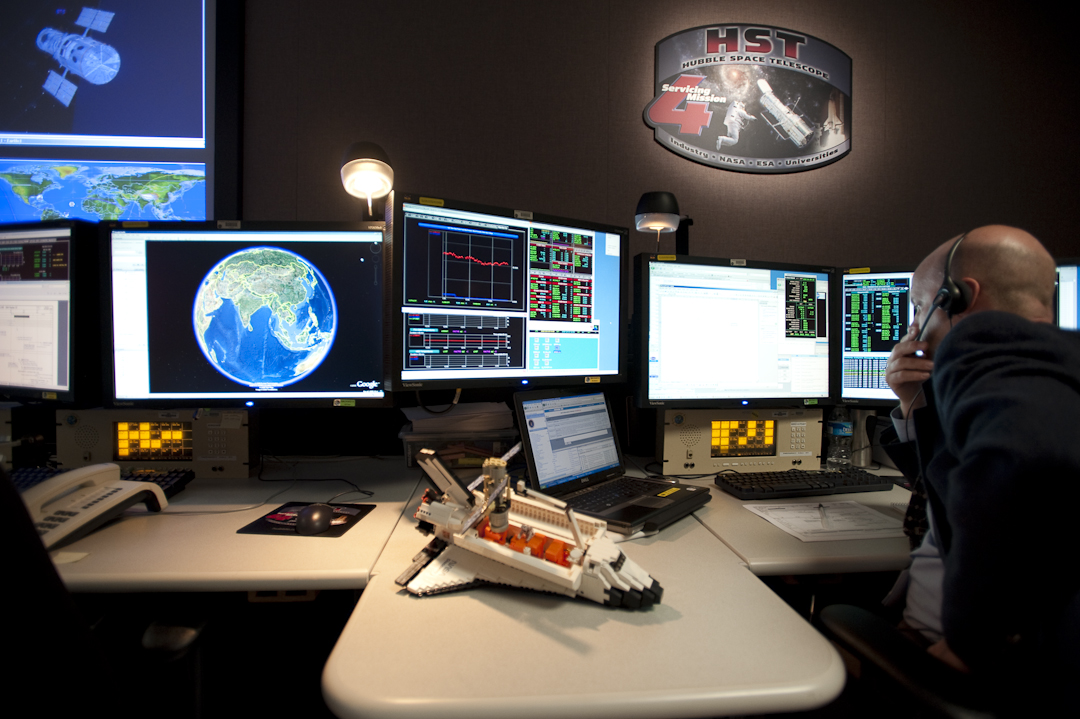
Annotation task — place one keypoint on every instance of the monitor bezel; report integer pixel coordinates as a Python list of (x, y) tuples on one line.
[(269, 400), (1061, 262), (837, 357), (84, 329), (641, 331), (396, 359)]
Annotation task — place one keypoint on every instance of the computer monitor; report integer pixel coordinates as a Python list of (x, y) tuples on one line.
[(49, 310), (731, 333), (247, 314), (120, 111), (1068, 297), (875, 312), (494, 297)]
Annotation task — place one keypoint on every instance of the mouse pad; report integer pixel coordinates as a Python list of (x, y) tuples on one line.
[(283, 519)]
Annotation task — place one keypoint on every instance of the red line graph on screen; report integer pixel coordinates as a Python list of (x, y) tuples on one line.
[(476, 260), (475, 267)]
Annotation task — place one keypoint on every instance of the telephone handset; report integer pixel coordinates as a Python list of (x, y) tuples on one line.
[(75, 503)]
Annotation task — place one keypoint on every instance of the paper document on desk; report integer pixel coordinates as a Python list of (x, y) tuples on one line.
[(828, 521)]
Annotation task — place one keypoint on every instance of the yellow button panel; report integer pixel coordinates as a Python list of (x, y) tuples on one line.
[(744, 438), (153, 441)]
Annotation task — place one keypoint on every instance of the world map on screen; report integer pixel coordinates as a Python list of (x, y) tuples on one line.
[(33, 190)]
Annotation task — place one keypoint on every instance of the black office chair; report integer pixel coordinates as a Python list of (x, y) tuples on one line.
[(926, 686), (55, 652)]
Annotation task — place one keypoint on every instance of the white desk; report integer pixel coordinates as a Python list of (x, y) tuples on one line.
[(768, 550), (172, 552), (719, 643)]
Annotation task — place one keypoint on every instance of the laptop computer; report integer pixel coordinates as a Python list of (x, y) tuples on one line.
[(573, 455)]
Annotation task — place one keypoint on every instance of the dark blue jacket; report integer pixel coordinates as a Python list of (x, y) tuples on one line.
[(1003, 480)]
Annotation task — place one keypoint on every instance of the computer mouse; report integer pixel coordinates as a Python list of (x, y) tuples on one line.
[(314, 519)]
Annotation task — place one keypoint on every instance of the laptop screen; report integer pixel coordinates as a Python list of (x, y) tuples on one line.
[(569, 437)]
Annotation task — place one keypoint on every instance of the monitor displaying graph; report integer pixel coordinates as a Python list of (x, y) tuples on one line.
[(496, 297)]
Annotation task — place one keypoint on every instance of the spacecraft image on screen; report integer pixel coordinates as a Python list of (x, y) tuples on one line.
[(122, 73), (80, 55)]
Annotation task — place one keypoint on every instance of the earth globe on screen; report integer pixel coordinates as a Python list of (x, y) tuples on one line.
[(265, 317)]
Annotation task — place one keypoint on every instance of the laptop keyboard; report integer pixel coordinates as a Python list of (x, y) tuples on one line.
[(616, 491)]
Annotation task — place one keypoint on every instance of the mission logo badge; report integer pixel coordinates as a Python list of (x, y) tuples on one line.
[(752, 98)]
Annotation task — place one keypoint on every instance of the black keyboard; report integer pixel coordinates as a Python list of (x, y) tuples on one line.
[(171, 481), (616, 491), (801, 483)]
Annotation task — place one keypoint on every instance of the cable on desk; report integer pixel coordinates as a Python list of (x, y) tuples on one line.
[(660, 475), (167, 513), (421, 405), (365, 492)]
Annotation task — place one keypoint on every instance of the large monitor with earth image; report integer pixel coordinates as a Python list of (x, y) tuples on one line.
[(247, 314)]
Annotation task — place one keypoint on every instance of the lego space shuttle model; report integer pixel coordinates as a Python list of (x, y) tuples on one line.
[(788, 125), (80, 55), (488, 533)]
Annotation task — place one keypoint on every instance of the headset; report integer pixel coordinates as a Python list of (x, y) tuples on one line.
[(953, 297)]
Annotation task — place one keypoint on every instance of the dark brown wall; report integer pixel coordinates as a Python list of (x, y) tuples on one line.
[(964, 113)]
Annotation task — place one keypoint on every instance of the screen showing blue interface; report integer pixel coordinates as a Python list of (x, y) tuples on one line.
[(494, 297), (108, 111), (569, 437), (285, 315), (731, 332), (1068, 306), (877, 309)]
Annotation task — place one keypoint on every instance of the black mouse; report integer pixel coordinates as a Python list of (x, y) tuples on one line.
[(314, 519)]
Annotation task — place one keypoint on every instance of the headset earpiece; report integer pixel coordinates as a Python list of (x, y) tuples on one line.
[(953, 297)]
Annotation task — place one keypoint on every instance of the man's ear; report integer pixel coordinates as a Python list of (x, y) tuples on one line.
[(972, 291)]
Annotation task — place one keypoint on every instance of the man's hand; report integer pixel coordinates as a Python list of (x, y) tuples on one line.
[(905, 373), (940, 650)]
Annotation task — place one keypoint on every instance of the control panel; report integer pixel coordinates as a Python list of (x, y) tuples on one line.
[(209, 442), (706, 441)]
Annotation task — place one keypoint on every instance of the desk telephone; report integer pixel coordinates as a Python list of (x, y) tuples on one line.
[(75, 503)]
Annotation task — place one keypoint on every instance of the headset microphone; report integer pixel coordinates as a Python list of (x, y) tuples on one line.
[(952, 297), (933, 306)]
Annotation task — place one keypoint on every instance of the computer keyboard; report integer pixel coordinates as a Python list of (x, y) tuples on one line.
[(801, 483), (171, 481)]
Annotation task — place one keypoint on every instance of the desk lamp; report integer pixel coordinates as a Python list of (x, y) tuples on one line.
[(366, 172), (659, 212)]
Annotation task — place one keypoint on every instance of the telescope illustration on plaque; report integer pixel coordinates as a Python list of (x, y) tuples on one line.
[(80, 55), (789, 125)]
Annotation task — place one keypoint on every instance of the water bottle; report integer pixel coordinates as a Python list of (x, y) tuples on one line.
[(840, 432)]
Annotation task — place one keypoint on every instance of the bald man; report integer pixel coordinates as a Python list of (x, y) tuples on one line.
[(988, 425)]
